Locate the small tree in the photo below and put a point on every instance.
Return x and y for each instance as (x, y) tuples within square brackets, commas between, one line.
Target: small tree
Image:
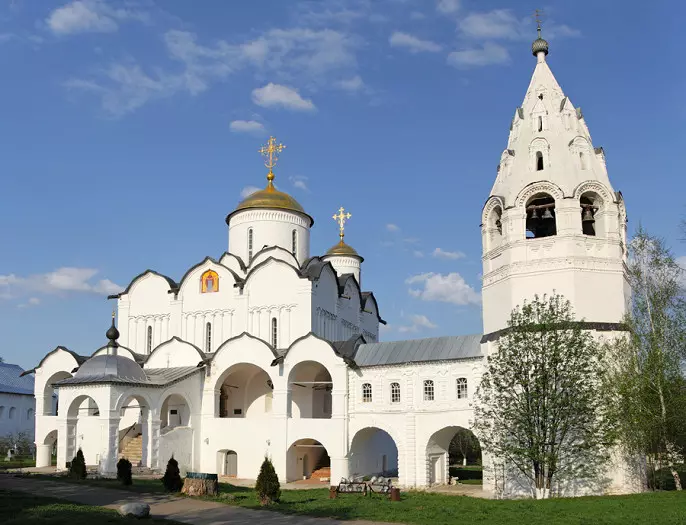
[(267, 487), (124, 471), (464, 444), (541, 406), (172, 476), (77, 469)]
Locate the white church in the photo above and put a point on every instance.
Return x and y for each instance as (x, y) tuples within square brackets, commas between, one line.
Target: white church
[(269, 350)]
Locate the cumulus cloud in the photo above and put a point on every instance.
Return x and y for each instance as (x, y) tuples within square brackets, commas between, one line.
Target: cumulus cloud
[(489, 54), (60, 281), (299, 181), (504, 24), (448, 288), (90, 16), (448, 6), (248, 190), (247, 126), (392, 227), (351, 84), (443, 254), (418, 254), (279, 96), (412, 43), (417, 322)]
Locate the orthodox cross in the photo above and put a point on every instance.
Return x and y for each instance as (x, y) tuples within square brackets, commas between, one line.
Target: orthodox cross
[(271, 154), (538, 17), (341, 219)]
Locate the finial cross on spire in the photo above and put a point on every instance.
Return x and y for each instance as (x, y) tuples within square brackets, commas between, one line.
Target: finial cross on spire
[(270, 152), (341, 217), (538, 17)]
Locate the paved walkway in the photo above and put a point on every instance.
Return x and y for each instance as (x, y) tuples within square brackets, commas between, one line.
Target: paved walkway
[(185, 510)]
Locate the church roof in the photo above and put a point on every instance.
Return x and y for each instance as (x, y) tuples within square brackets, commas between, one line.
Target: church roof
[(341, 248), (447, 348), (11, 381), (152, 377)]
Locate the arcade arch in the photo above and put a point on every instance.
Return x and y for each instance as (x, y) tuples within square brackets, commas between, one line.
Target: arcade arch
[(373, 452), (244, 390), (50, 394), (310, 386), (307, 459), (438, 453)]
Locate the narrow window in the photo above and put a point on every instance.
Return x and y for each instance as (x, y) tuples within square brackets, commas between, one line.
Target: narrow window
[(275, 332), (539, 161), (540, 123), (462, 388), (395, 392), (249, 244), (582, 160), (149, 339), (428, 390), (29, 414), (294, 243), (13, 412), (208, 337), (367, 393)]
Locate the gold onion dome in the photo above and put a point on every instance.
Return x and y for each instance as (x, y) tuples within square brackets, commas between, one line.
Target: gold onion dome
[(341, 248)]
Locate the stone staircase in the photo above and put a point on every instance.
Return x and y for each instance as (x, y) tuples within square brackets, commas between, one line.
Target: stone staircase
[(133, 450), (322, 474)]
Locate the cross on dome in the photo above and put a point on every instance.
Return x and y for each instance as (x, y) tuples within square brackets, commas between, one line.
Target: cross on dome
[(341, 218), (270, 152)]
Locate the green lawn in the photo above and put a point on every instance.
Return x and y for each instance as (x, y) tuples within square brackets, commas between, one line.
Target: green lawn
[(19, 508), (418, 508)]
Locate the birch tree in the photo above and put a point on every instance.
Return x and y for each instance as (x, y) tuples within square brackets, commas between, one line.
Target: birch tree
[(542, 406)]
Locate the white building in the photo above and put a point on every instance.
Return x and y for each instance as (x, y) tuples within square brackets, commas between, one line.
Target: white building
[(17, 404), (270, 351)]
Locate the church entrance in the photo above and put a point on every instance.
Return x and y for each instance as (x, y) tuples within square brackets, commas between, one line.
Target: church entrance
[(231, 464)]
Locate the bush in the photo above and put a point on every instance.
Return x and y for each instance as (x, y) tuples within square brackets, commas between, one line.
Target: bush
[(124, 471), (77, 468), (267, 486), (172, 476)]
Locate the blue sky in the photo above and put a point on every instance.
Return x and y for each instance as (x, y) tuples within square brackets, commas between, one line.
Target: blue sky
[(129, 130)]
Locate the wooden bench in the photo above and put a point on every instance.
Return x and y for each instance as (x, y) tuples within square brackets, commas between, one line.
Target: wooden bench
[(376, 485)]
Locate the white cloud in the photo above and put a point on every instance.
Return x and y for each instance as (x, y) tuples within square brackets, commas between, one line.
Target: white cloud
[(351, 84), (503, 24), (489, 54), (62, 280), (412, 43), (277, 95), (417, 322), (299, 181), (416, 15), (448, 288), (448, 6), (442, 254), (248, 190), (418, 254), (90, 16), (392, 227), (33, 301), (247, 126)]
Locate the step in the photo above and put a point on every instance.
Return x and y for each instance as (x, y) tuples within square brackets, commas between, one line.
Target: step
[(321, 473)]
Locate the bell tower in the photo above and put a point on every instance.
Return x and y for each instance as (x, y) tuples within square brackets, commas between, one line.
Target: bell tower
[(553, 221)]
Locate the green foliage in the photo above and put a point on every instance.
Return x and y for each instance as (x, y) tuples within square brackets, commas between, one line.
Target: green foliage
[(267, 486), (124, 471), (648, 379), (463, 474), (172, 476), (542, 404), (20, 442), (464, 446), (77, 468)]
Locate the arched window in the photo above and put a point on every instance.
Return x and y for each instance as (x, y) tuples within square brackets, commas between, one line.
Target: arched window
[(428, 390), (149, 339), (275, 333), (540, 217), (29, 414), (2, 412), (294, 243), (540, 123), (13, 412), (250, 244), (582, 160), (539, 161), (208, 337), (588, 210), (462, 388), (395, 392), (366, 392)]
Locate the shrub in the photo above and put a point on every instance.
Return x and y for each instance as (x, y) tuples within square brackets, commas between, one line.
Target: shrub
[(267, 486), (172, 476), (77, 468), (124, 471)]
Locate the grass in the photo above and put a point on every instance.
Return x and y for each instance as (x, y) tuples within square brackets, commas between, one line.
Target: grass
[(420, 508), (26, 509)]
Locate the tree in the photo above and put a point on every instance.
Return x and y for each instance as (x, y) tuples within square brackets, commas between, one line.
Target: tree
[(124, 471), (464, 444), (648, 374), (172, 476), (541, 405), (77, 469), (267, 486)]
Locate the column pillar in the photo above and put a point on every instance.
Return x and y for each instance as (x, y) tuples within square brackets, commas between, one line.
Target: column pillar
[(153, 444), (110, 451), (43, 455), (65, 427)]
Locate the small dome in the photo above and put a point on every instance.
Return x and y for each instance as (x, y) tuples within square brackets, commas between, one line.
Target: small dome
[(270, 198), (539, 45), (342, 248), (110, 367), (112, 333)]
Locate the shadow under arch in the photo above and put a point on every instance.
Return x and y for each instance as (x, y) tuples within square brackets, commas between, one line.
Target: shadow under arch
[(373, 451), (309, 391), (444, 445), (243, 390)]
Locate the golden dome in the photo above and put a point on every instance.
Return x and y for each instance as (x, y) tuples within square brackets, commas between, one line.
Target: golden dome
[(270, 198), (341, 248)]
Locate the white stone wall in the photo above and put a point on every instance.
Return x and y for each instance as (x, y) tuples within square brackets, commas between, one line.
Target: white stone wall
[(17, 414)]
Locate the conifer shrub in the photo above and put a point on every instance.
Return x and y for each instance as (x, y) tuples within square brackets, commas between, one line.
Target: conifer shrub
[(77, 468), (124, 471), (267, 487), (172, 476)]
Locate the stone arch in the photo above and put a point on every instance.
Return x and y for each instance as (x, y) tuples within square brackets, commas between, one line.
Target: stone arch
[(243, 390), (437, 453), (46, 449), (538, 187), (83, 421), (374, 450), (134, 430), (227, 463), (307, 458), (310, 385), (491, 223), (594, 200), (539, 145), (50, 394), (175, 410)]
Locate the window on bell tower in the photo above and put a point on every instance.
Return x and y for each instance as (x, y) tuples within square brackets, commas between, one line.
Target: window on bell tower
[(294, 243), (250, 243), (149, 339), (208, 337), (541, 217), (539, 161), (582, 160), (540, 123), (275, 332)]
